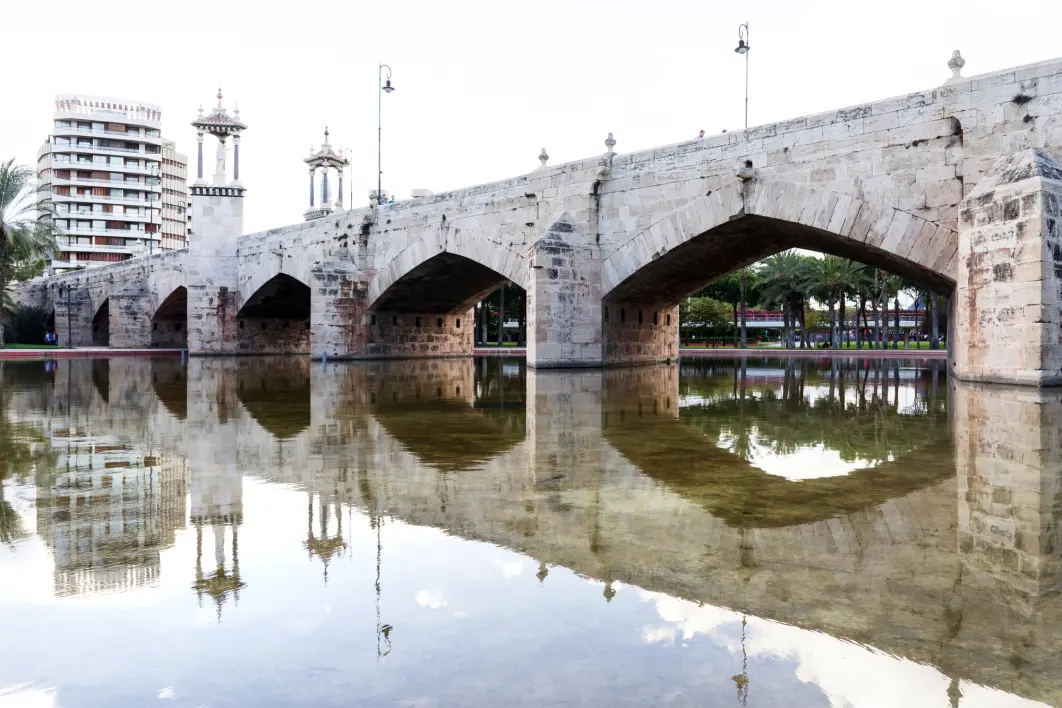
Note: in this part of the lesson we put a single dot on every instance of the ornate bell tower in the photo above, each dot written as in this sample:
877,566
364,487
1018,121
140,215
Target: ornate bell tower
325,160
217,206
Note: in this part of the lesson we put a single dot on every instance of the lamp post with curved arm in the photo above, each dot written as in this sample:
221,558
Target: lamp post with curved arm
381,89
743,48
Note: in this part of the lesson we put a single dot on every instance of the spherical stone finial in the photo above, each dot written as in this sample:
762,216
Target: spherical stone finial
326,135
610,143
219,95
956,63
543,157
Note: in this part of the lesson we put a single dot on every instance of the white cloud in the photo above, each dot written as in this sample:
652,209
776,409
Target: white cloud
24,695
659,635
849,674
167,694
432,599
511,569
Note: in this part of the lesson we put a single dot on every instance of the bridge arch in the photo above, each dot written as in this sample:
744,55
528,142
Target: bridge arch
169,323
644,278
275,317
100,332
464,265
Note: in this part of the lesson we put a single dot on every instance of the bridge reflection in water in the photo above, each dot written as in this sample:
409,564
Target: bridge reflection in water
786,502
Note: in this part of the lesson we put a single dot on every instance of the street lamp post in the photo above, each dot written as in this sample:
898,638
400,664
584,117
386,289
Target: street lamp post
743,48
381,89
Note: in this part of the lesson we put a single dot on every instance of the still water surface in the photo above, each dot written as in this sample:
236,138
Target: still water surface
271,532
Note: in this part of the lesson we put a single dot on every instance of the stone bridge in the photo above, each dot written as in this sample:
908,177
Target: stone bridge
953,187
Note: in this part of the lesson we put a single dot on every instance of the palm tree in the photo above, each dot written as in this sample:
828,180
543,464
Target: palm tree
830,277
783,278
22,237
913,290
895,285
744,275
932,303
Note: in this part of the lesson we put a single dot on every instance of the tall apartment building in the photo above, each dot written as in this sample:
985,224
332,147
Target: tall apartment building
101,176
174,197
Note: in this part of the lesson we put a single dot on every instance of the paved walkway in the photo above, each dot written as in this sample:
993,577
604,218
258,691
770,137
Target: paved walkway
499,351
819,353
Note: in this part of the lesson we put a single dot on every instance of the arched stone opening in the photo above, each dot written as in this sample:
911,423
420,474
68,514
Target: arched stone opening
275,319
429,311
640,313
679,445
101,325
170,383
276,393
169,325
454,415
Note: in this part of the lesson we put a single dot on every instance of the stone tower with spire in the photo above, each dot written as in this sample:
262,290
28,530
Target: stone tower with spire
325,160
217,205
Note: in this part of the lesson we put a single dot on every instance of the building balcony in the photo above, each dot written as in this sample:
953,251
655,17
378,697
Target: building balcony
104,167
58,148
124,233
89,114
93,248
155,188
109,134
102,216
64,198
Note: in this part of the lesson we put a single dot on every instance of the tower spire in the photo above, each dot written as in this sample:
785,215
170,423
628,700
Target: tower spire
325,159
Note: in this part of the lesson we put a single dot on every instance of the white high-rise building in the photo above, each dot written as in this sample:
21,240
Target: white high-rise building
174,197
101,177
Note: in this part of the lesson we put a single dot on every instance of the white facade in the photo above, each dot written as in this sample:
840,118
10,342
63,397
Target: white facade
100,176
174,197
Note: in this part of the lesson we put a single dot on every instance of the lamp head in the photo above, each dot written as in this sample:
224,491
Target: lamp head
742,48
388,88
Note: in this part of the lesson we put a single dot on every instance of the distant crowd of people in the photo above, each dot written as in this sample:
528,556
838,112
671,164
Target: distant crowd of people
51,337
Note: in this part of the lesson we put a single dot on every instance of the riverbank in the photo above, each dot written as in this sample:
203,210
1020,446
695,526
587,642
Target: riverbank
722,353
44,353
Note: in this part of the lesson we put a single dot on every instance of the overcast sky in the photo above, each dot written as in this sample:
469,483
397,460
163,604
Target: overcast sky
483,86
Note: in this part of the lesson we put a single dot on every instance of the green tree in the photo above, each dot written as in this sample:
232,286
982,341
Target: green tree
783,280
749,283
699,316
829,278
24,240
728,290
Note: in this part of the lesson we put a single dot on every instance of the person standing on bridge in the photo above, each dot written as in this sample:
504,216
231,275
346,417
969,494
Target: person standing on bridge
701,135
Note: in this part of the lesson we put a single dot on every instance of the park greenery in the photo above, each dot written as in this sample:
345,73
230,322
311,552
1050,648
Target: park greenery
814,294
26,243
